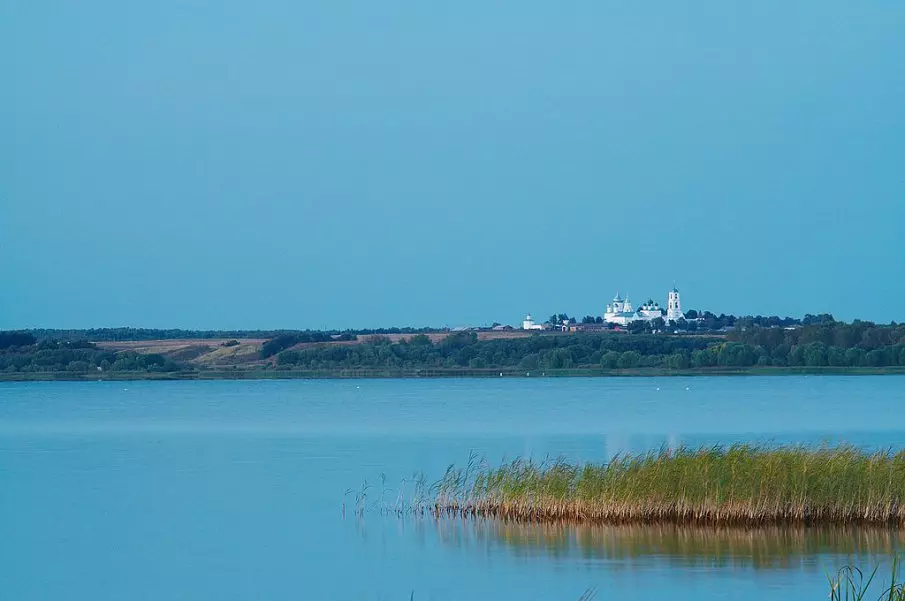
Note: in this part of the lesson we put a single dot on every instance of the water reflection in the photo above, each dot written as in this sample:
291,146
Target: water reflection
684,546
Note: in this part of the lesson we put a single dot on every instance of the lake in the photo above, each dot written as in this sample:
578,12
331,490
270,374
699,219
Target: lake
236,490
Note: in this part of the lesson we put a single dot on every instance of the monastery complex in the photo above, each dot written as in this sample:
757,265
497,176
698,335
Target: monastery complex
621,313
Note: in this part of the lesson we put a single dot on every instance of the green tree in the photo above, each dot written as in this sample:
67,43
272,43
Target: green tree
855,357
529,362
610,360
629,359
459,340
796,356
875,358
477,363
704,358
678,361
835,357
560,358
815,355
420,340
13,339
734,354
637,327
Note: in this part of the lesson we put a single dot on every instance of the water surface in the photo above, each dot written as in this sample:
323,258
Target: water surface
235,490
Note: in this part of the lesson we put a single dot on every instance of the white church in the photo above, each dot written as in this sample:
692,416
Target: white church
620,311
530,324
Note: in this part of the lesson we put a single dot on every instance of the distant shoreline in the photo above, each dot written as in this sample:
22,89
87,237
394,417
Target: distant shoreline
352,374
859,348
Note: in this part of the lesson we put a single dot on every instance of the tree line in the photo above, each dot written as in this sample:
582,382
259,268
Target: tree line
144,334
696,321
464,350
822,343
284,341
22,352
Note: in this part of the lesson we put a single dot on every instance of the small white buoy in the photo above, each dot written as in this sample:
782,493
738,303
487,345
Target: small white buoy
687,388
501,374
658,388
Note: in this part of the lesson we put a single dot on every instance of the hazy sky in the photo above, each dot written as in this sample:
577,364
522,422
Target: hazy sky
234,164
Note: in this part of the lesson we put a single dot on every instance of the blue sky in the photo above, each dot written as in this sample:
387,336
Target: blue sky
231,164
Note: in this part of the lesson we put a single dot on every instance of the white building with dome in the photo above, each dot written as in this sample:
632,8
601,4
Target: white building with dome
529,324
620,311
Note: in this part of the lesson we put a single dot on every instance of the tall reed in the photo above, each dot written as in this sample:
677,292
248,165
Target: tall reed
740,484
851,584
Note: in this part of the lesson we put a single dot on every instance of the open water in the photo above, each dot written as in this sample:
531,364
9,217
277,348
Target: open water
235,490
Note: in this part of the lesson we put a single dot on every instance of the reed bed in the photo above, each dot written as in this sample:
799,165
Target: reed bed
736,485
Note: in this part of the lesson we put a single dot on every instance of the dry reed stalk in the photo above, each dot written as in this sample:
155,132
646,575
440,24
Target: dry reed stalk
737,485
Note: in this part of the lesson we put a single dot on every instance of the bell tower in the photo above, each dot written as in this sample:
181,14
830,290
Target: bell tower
674,306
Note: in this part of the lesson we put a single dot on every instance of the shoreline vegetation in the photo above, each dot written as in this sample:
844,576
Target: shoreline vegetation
738,485
352,374
821,346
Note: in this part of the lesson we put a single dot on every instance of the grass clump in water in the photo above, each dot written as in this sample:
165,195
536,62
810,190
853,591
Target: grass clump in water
739,484
851,584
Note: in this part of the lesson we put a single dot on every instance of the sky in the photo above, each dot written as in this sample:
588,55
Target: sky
349,163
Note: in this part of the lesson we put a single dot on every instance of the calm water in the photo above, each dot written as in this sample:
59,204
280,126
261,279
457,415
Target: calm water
234,490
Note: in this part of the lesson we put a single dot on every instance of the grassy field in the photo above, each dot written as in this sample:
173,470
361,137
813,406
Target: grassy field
736,485
244,353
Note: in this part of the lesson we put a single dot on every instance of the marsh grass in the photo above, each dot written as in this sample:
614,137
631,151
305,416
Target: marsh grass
736,485
851,584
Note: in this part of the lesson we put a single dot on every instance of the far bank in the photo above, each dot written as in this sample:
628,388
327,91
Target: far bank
348,374
826,347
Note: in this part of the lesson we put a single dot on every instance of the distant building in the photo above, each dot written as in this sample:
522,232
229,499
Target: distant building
650,310
588,327
621,313
674,306
529,324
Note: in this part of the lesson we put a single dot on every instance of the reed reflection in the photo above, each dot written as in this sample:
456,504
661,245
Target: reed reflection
772,547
